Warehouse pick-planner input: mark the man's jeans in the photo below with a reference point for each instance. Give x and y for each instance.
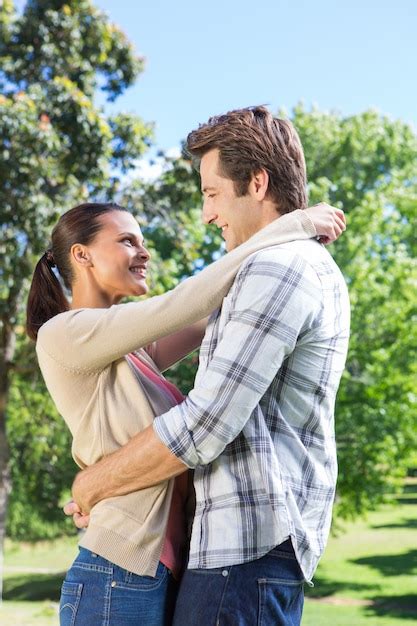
(98, 593)
(265, 592)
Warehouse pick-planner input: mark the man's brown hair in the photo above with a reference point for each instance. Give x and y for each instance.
(252, 139)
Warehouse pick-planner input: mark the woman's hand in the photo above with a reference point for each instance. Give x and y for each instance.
(329, 222)
(79, 519)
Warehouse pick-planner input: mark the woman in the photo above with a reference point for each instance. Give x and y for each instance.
(102, 363)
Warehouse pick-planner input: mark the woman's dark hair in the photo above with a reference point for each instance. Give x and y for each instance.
(46, 296)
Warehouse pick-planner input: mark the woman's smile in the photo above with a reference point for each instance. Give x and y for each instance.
(139, 270)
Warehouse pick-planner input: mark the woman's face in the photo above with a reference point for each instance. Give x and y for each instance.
(118, 257)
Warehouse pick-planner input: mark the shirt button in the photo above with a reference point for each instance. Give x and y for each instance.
(225, 572)
(113, 583)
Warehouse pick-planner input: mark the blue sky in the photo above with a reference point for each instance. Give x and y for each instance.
(206, 58)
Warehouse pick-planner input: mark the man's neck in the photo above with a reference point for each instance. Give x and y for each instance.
(268, 214)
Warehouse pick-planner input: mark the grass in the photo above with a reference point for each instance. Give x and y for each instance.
(367, 577)
(33, 574)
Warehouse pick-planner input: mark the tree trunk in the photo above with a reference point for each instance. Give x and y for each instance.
(6, 356)
(4, 490)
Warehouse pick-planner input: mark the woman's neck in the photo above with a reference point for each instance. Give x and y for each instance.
(91, 299)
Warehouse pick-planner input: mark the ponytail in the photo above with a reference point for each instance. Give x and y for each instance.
(46, 296)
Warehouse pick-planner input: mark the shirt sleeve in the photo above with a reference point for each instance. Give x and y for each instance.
(90, 339)
(278, 297)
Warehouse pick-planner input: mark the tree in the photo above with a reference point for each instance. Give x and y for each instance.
(56, 146)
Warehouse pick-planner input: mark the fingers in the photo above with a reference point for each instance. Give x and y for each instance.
(334, 228)
(81, 521)
(332, 232)
(340, 214)
(328, 211)
(330, 222)
(336, 219)
(71, 507)
(340, 220)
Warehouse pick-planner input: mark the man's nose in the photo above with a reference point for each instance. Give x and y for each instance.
(209, 215)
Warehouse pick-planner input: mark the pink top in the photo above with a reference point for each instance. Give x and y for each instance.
(172, 555)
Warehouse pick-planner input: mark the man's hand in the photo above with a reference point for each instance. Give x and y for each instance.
(329, 222)
(80, 519)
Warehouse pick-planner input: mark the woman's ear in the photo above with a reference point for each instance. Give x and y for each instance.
(81, 255)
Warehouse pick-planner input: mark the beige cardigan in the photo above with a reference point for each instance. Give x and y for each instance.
(81, 355)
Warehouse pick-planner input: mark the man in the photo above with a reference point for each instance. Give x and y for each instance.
(258, 426)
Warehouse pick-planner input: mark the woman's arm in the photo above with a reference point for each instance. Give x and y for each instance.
(90, 339)
(171, 349)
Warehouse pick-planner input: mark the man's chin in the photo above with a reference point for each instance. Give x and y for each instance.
(229, 245)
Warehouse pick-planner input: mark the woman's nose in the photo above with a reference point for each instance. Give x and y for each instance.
(144, 253)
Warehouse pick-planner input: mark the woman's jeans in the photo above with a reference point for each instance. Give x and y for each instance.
(98, 593)
(265, 592)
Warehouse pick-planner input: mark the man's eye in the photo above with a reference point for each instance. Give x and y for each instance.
(129, 241)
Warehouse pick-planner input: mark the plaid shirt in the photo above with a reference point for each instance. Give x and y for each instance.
(258, 427)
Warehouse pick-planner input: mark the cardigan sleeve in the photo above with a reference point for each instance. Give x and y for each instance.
(90, 339)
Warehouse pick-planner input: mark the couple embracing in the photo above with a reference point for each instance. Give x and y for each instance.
(257, 429)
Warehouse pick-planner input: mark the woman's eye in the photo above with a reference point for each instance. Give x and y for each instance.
(129, 241)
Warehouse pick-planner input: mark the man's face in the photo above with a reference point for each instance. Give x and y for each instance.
(238, 218)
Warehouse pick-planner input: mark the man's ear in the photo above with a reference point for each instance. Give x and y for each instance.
(258, 185)
(81, 255)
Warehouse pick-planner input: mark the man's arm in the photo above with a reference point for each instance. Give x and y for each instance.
(277, 297)
(275, 302)
(144, 461)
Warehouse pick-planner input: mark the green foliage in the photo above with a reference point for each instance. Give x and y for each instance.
(41, 464)
(57, 148)
(367, 164)
(73, 39)
(42, 468)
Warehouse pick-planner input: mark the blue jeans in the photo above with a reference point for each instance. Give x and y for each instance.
(96, 592)
(265, 592)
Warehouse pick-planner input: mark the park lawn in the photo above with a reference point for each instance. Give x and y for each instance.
(32, 581)
(367, 577)
(368, 574)
(328, 615)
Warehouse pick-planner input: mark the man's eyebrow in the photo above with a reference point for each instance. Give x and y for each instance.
(204, 189)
